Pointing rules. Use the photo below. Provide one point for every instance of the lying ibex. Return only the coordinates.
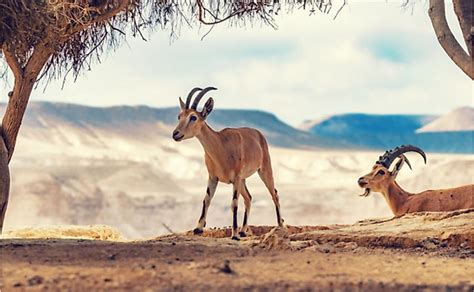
(231, 156)
(380, 179)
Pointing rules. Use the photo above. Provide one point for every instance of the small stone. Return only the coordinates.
(226, 269)
(35, 280)
(429, 245)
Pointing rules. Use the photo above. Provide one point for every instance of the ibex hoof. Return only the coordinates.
(235, 238)
(242, 234)
(198, 231)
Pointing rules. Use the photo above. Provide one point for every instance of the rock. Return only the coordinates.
(323, 248)
(347, 245)
(278, 238)
(430, 245)
(35, 280)
(226, 268)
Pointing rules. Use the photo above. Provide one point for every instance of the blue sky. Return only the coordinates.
(375, 58)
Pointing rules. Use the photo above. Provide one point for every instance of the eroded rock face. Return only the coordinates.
(277, 239)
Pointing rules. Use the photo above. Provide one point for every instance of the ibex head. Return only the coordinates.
(380, 176)
(190, 120)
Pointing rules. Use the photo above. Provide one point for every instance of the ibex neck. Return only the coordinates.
(396, 198)
(209, 139)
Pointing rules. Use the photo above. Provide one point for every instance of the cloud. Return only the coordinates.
(386, 46)
(375, 57)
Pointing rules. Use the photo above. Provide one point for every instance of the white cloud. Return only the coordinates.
(311, 66)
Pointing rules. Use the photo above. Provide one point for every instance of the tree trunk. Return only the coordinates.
(4, 182)
(464, 10)
(25, 78)
(14, 113)
(447, 39)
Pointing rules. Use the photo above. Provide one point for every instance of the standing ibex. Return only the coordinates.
(231, 156)
(380, 179)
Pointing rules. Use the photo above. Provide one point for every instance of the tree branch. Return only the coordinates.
(13, 63)
(216, 19)
(446, 38)
(106, 15)
(18, 101)
(464, 10)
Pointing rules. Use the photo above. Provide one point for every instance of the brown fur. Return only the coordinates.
(402, 202)
(231, 156)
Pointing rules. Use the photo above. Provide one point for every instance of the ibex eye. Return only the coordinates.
(179, 117)
(192, 118)
(380, 172)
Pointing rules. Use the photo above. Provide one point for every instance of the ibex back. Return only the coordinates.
(231, 156)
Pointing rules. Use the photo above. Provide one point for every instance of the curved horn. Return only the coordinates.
(200, 95)
(406, 160)
(190, 95)
(389, 156)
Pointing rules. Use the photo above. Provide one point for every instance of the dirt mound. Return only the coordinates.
(426, 230)
(92, 232)
(259, 230)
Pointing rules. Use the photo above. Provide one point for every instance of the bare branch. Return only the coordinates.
(446, 38)
(464, 10)
(12, 62)
(100, 17)
(340, 9)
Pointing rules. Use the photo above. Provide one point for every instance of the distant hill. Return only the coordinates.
(72, 123)
(461, 119)
(347, 124)
(144, 120)
(387, 131)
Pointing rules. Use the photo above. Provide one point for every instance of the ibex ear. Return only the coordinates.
(208, 106)
(398, 166)
(182, 104)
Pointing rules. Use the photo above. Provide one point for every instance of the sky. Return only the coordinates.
(375, 57)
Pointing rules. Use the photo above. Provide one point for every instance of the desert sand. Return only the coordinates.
(430, 251)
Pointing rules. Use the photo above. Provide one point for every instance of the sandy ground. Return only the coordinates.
(377, 255)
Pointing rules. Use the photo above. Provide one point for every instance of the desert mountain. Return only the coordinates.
(144, 122)
(461, 119)
(388, 131)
